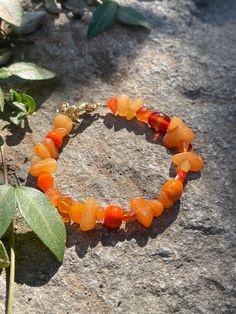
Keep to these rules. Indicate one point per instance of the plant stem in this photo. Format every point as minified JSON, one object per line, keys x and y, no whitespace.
{"x":10,"y":294}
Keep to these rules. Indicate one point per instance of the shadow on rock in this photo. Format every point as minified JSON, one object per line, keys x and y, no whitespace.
{"x":132,"y":230}
{"x":35,"y":265}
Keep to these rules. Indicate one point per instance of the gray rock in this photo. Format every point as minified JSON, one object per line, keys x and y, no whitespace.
{"x":31,"y":20}
{"x":185,"y":262}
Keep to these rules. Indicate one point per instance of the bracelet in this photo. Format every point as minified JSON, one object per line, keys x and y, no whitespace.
{"x":177,"y":135}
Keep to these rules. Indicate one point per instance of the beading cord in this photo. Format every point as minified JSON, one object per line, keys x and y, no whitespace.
{"x":177,"y":135}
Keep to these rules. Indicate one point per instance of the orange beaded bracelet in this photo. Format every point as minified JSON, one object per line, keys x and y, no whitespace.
{"x":177,"y":135}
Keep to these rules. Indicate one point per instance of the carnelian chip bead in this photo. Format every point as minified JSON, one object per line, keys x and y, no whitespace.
{"x":113,"y":217}
{"x":51,"y":147}
{"x":157,"y":207}
{"x":63,"y":121}
{"x":184,"y":166}
{"x":180,"y":134}
{"x":45,"y":165}
{"x":41,"y":151}
{"x":100,"y":213}
{"x":57,"y":138}
{"x":135,"y":105}
{"x":174,"y":122}
{"x":76,"y":211}
{"x":88,"y":218}
{"x":45,"y":181}
{"x":143,"y":211}
{"x":143,"y":114}
{"x":112,"y":104}
{"x":159,"y":121}
{"x":123,"y":103}
{"x":54,"y":195}
{"x":194,"y":159}
{"x":34,"y":160}
{"x":165,"y":200}
{"x":60,"y":132}
{"x":173,"y":188}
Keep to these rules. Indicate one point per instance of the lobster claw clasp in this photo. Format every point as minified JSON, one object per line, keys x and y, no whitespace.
{"x":76,"y":111}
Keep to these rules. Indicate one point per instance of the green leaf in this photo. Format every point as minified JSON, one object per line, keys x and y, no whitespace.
{"x":15,"y":96}
{"x":1,"y":100}
{"x":5,"y":54}
{"x":11,"y":11}
{"x":4,"y":259}
{"x":43,"y":218}
{"x":102,"y":18}
{"x":17,"y":116}
{"x":29,"y":102}
{"x":20,"y":106}
{"x":7,"y":207}
{"x":29,"y":71}
{"x":4,"y":73}
{"x":131,"y":17}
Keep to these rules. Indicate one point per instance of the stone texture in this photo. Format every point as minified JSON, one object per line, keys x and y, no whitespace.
{"x":186,"y":67}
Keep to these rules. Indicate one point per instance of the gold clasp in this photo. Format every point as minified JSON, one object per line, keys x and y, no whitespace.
{"x":76,"y":111}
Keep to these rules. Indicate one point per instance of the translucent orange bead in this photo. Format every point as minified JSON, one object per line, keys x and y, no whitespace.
{"x":135,"y":105}
{"x":57,"y":138}
{"x":34,"y":160}
{"x":100,"y":213}
{"x":62,"y":121}
{"x":64,"y":204}
{"x":157,"y":207}
{"x":194,"y":159}
{"x":51,"y":147}
{"x":123,"y":103}
{"x":60,"y":132}
{"x":158,"y":121}
{"x":113,"y":217}
{"x":129,"y":215}
{"x":76,"y":211}
{"x":88,"y":219}
{"x":174,"y":189}
{"x":54,"y":195}
{"x":143,"y":211}
{"x":165,"y":199}
{"x":45,"y":165}
{"x":112,"y":104}
{"x":180,"y":134}
{"x":41,"y":151}
{"x":143,"y":114}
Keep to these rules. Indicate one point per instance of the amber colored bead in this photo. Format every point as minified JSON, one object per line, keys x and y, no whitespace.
{"x":180,"y":134}
{"x":57,"y":139}
{"x":45,"y":165}
{"x":194,"y":159}
{"x":34,"y":160}
{"x":45,"y":181}
{"x":135,"y":105}
{"x":64,"y":204}
{"x":157,"y":207}
{"x":143,"y":211}
{"x":165,"y":199}
{"x":62,"y":121}
{"x":60,"y":132}
{"x":51,"y":147}
{"x":100,"y":213}
{"x":112,"y":104}
{"x":76,"y":211}
{"x":88,"y":219}
{"x":129,"y":215}
{"x":123,"y":103}
{"x":41,"y":151}
{"x":113,"y":217}
{"x":65,"y":217}
{"x":174,"y":122}
{"x":54,"y":195}
{"x":143,"y":114}
{"x":174,"y":189}
{"x":159,"y":121}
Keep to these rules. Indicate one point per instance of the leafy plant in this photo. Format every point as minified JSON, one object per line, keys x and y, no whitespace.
{"x":16,"y":107}
{"x":39,"y":214}
{"x":109,"y":11}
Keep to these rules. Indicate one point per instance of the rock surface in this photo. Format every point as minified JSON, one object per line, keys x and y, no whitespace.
{"x":185,"y":262}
